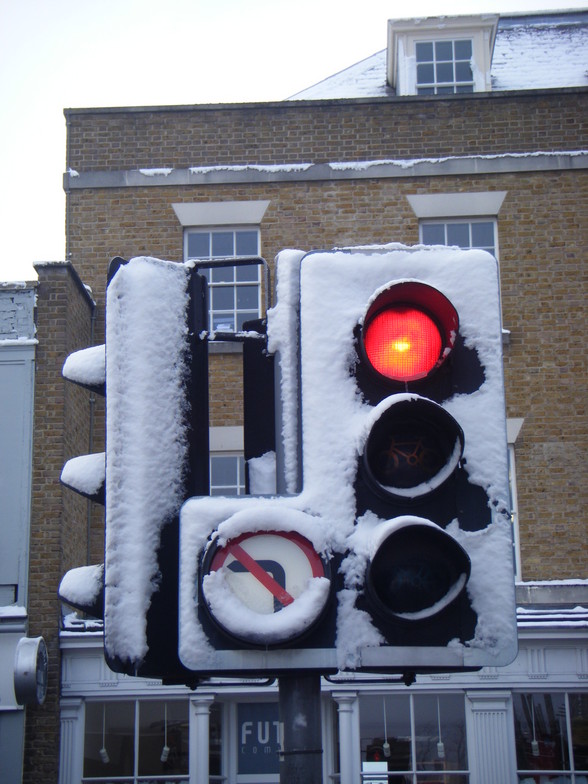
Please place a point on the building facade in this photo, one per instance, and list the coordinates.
(17, 373)
(433, 141)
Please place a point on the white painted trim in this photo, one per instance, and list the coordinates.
(404, 33)
(453, 205)
(221, 213)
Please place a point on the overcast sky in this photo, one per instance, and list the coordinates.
(81, 53)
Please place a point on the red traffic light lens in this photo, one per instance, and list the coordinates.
(402, 343)
(408, 331)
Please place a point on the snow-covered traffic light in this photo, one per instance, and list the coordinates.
(389, 545)
(155, 376)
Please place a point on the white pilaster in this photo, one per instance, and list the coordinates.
(200, 737)
(490, 730)
(71, 749)
(348, 736)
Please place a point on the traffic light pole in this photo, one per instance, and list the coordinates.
(300, 715)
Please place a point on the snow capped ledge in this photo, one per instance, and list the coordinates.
(552, 593)
(336, 170)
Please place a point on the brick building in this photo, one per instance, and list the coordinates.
(449, 136)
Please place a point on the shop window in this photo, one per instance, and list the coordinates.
(134, 741)
(551, 735)
(414, 738)
(234, 291)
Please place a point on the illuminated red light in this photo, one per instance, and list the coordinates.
(402, 342)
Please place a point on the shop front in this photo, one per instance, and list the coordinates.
(526, 723)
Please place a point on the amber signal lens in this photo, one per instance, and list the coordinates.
(402, 342)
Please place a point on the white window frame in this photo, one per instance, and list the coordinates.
(446, 222)
(233, 284)
(458, 208)
(452, 86)
(403, 35)
(513, 428)
(222, 216)
(228, 442)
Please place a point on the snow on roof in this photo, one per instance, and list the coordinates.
(366, 79)
(531, 52)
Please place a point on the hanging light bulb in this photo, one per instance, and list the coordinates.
(165, 749)
(103, 753)
(385, 744)
(534, 742)
(440, 744)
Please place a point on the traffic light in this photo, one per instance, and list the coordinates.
(384, 543)
(389, 546)
(153, 370)
(154, 373)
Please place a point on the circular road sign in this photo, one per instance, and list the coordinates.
(260, 586)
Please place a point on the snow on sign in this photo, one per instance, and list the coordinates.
(263, 574)
(391, 462)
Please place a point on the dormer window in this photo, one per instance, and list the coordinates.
(441, 55)
(444, 67)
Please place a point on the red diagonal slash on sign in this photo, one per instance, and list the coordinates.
(260, 574)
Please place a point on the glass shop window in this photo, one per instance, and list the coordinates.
(414, 738)
(551, 735)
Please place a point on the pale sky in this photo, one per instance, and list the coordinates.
(82, 53)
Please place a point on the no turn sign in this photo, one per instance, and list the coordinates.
(265, 586)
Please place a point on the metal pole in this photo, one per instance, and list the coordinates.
(300, 715)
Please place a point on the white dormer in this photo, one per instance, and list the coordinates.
(441, 55)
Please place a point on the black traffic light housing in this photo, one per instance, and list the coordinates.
(385, 542)
(395, 475)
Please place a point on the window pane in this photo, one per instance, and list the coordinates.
(445, 90)
(579, 721)
(425, 73)
(444, 72)
(483, 235)
(163, 727)
(424, 52)
(426, 91)
(244, 316)
(223, 322)
(246, 242)
(222, 274)
(227, 475)
(540, 732)
(109, 739)
(223, 470)
(463, 50)
(247, 272)
(440, 732)
(222, 297)
(394, 712)
(463, 72)
(433, 233)
(458, 234)
(198, 245)
(443, 50)
(247, 297)
(222, 243)
(215, 740)
(464, 88)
